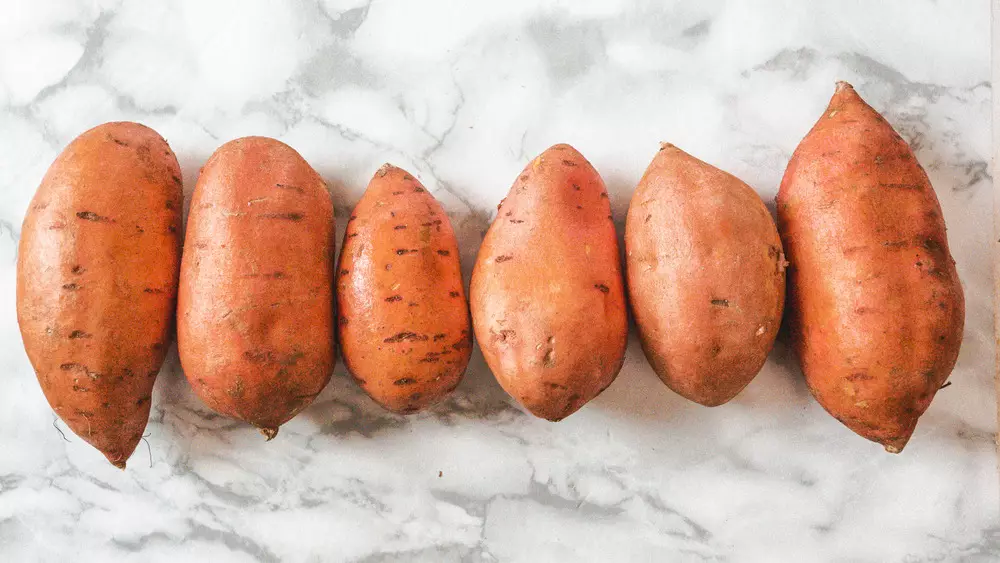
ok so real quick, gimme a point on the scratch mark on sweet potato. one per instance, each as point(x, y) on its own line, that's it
point(404, 381)
point(71, 287)
point(394, 298)
point(91, 216)
point(405, 336)
point(444, 253)
point(504, 258)
point(289, 187)
point(720, 302)
point(283, 216)
point(79, 334)
point(602, 288)
point(453, 294)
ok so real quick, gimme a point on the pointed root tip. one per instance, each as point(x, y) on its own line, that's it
point(384, 169)
point(120, 464)
point(665, 145)
point(269, 433)
point(843, 85)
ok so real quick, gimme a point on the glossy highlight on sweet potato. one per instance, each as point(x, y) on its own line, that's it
point(404, 321)
point(875, 302)
point(97, 281)
point(706, 276)
point(547, 295)
point(255, 307)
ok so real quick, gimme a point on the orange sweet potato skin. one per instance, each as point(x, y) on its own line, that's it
point(404, 321)
point(255, 306)
point(547, 295)
point(706, 276)
point(875, 302)
point(97, 281)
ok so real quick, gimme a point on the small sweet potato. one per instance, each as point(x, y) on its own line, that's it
point(706, 276)
point(875, 302)
point(547, 296)
point(255, 307)
point(404, 321)
point(97, 281)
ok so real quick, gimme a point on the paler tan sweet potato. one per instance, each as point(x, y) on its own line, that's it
point(404, 322)
point(706, 276)
point(875, 302)
point(97, 281)
point(547, 296)
point(255, 307)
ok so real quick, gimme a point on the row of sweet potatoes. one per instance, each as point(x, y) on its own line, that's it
point(875, 303)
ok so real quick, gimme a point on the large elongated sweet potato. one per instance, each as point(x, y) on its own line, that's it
point(547, 297)
point(706, 276)
point(875, 302)
point(255, 308)
point(404, 321)
point(97, 281)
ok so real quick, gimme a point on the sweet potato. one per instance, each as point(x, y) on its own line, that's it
point(255, 307)
point(876, 306)
point(404, 321)
point(547, 296)
point(706, 276)
point(97, 281)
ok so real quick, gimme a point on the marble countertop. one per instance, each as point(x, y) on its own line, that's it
point(462, 94)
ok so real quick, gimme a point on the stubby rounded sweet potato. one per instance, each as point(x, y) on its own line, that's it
point(875, 303)
point(404, 321)
point(255, 307)
point(97, 281)
point(706, 276)
point(547, 297)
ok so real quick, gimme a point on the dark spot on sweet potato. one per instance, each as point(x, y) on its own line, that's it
point(504, 335)
point(579, 207)
point(504, 258)
point(611, 218)
point(444, 253)
point(274, 276)
point(453, 294)
point(71, 286)
point(508, 214)
point(397, 193)
point(258, 356)
point(157, 346)
point(393, 298)
point(170, 204)
point(439, 336)
point(78, 334)
point(576, 187)
point(171, 228)
point(418, 189)
point(91, 216)
point(429, 360)
point(523, 178)
point(71, 366)
point(516, 221)
point(604, 195)
point(715, 350)
point(648, 217)
point(405, 251)
point(602, 288)
point(141, 400)
point(116, 140)
point(399, 227)
point(405, 336)
point(388, 267)
point(344, 271)
point(352, 235)
point(860, 376)
point(932, 245)
point(720, 302)
point(80, 389)
point(553, 385)
point(404, 381)
point(431, 223)
point(78, 269)
point(293, 216)
point(343, 320)
point(58, 225)
point(568, 163)
point(177, 179)
point(153, 290)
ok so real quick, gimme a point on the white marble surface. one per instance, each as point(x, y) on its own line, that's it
point(463, 94)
